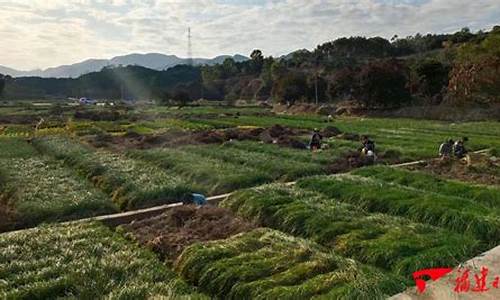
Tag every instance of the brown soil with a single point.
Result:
(353, 159)
(111, 115)
(7, 213)
(277, 134)
(19, 119)
(171, 232)
(481, 170)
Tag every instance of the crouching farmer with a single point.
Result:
(194, 199)
(446, 149)
(316, 140)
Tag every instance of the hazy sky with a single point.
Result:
(44, 33)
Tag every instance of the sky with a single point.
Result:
(47, 33)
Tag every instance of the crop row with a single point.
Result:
(41, 190)
(385, 241)
(235, 165)
(83, 261)
(267, 264)
(484, 195)
(462, 215)
(36, 189)
(130, 183)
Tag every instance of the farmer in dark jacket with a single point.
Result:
(367, 145)
(316, 139)
(459, 148)
(446, 149)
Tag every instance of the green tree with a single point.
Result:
(2, 84)
(257, 60)
(291, 87)
(383, 83)
(432, 78)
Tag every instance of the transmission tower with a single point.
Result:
(190, 48)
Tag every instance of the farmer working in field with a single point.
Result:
(459, 148)
(445, 149)
(368, 150)
(316, 139)
(367, 145)
(196, 199)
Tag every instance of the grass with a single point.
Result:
(489, 196)
(83, 261)
(388, 242)
(38, 189)
(268, 264)
(42, 190)
(458, 214)
(234, 165)
(212, 175)
(131, 183)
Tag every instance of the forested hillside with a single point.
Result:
(459, 68)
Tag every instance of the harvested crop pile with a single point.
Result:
(481, 170)
(268, 264)
(371, 238)
(171, 232)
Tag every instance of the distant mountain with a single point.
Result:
(155, 61)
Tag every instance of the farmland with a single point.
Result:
(340, 230)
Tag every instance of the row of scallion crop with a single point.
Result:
(130, 183)
(458, 213)
(392, 243)
(268, 264)
(37, 189)
(82, 261)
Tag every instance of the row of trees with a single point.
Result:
(463, 67)
(458, 68)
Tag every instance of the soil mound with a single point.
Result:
(330, 131)
(171, 232)
(97, 115)
(276, 134)
(482, 169)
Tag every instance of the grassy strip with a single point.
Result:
(43, 190)
(423, 181)
(130, 183)
(13, 148)
(455, 213)
(385, 241)
(276, 167)
(213, 175)
(324, 157)
(35, 189)
(267, 264)
(84, 261)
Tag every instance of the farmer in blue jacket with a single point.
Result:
(196, 199)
